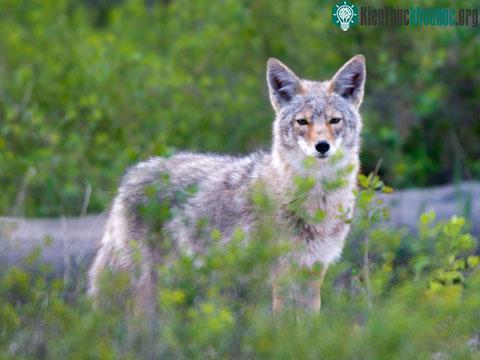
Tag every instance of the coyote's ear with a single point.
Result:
(283, 84)
(349, 81)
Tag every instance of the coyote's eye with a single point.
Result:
(335, 120)
(302, 122)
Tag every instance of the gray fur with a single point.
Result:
(223, 184)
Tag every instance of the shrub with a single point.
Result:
(393, 294)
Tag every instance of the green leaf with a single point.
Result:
(473, 261)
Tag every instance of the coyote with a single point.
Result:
(316, 122)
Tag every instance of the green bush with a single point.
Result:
(88, 88)
(393, 295)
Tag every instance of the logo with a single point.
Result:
(345, 15)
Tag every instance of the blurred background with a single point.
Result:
(89, 87)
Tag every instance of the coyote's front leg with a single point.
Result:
(308, 296)
(278, 287)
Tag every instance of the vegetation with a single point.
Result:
(393, 295)
(88, 88)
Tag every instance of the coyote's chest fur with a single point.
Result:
(318, 222)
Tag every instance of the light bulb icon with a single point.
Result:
(344, 14)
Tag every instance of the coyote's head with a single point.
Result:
(316, 118)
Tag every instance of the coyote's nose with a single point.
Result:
(322, 147)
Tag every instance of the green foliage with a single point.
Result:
(86, 90)
(393, 295)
